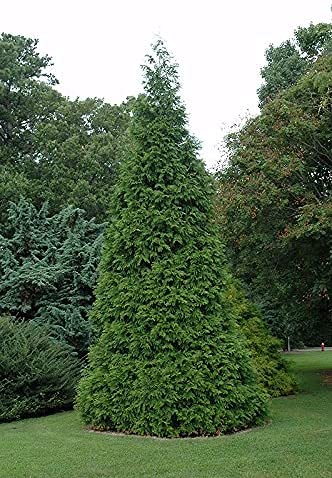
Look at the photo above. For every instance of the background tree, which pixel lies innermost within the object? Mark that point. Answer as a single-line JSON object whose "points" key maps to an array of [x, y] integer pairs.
{"points": [[170, 360], [48, 269], [26, 96], [53, 149], [288, 62], [77, 153], [271, 367], [275, 206], [26, 100]]}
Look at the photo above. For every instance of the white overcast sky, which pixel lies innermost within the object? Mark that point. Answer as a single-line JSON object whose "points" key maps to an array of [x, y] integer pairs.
{"points": [[98, 46]]}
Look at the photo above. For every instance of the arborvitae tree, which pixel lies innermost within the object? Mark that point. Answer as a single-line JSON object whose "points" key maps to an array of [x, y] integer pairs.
{"points": [[272, 368], [169, 360]]}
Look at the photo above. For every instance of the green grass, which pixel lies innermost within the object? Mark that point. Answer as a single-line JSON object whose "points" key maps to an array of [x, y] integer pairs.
{"points": [[298, 443]]}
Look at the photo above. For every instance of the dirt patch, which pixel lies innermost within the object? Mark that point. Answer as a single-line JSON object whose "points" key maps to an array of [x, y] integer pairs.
{"points": [[327, 377]]}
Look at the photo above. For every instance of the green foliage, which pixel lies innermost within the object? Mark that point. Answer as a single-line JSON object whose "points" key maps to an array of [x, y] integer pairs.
{"points": [[53, 149], [169, 360], [284, 67], [26, 96], [275, 207], [272, 369], [314, 40], [77, 153], [37, 373], [48, 268], [288, 62]]}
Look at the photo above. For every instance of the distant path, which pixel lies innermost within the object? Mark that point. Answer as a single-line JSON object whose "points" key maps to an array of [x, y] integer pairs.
{"points": [[310, 349]]}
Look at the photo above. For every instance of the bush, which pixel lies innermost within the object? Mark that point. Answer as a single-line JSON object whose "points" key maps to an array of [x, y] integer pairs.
{"points": [[37, 373], [272, 370]]}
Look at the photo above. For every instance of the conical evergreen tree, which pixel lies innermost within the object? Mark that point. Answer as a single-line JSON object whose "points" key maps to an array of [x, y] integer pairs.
{"points": [[169, 360]]}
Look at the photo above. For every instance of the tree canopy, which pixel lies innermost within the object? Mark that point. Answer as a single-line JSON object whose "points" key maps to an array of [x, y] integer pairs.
{"points": [[52, 148], [275, 201], [288, 62]]}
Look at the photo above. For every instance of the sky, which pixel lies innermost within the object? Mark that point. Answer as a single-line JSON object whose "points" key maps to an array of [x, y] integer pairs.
{"points": [[98, 46]]}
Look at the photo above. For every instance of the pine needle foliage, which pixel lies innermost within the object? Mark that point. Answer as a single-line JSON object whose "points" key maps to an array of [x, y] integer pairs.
{"points": [[169, 360]]}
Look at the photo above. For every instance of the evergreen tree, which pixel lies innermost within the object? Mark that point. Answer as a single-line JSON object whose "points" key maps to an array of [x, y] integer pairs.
{"points": [[272, 369], [48, 268], [169, 360]]}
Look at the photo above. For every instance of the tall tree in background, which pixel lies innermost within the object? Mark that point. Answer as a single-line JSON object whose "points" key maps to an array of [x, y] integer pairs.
{"points": [[77, 153], [275, 203], [53, 149], [289, 61], [169, 360], [26, 96], [26, 100]]}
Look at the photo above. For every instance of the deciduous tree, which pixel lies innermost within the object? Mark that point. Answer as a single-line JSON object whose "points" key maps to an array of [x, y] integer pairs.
{"points": [[275, 206]]}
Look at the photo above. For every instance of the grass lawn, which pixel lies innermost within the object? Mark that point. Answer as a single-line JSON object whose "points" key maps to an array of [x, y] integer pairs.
{"points": [[298, 443]]}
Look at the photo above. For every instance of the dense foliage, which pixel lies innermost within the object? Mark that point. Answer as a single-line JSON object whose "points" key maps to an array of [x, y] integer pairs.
{"points": [[289, 61], [48, 269], [271, 367], [37, 373], [76, 155], [275, 206], [170, 360], [53, 149]]}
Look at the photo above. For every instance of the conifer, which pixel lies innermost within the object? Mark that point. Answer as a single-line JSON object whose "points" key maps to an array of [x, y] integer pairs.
{"points": [[170, 360]]}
